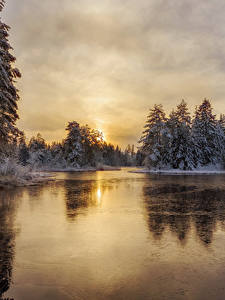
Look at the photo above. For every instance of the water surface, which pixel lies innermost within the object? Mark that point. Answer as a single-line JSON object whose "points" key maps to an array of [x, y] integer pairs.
{"points": [[114, 235]]}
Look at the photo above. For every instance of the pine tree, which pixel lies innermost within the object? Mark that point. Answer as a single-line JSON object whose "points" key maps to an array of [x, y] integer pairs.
{"points": [[73, 147], [140, 158], [39, 154], [57, 159], [171, 140], [23, 152], [204, 132], [220, 140], [182, 148], [152, 138], [8, 92], [222, 122]]}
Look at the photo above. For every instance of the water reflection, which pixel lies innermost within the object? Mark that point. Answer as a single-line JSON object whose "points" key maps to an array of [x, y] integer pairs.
{"points": [[81, 194], [180, 207], [7, 237], [85, 236]]}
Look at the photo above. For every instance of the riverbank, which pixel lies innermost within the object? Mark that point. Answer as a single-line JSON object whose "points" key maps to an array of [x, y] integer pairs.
{"points": [[33, 178], [180, 172], [14, 175], [87, 169]]}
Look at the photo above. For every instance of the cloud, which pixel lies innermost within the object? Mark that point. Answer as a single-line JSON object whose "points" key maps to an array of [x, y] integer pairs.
{"points": [[111, 60]]}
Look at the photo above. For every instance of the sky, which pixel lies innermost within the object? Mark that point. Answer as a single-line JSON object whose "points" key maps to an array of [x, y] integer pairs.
{"points": [[106, 62]]}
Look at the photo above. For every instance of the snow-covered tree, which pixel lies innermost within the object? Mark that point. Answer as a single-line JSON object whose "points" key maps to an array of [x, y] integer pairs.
{"points": [[182, 145], [204, 134], [222, 122], [57, 156], [170, 140], [220, 140], [153, 137], [39, 154], [8, 92], [73, 146], [178, 142], [23, 152]]}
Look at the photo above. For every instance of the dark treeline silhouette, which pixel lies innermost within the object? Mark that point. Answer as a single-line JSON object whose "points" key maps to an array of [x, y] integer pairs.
{"points": [[178, 207], [82, 147], [182, 142]]}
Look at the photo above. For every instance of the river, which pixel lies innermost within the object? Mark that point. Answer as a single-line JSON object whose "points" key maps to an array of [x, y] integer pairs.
{"points": [[114, 235]]}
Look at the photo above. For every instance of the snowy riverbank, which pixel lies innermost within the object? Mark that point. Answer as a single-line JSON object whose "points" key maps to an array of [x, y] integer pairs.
{"points": [[13, 174], [180, 172], [88, 169], [33, 178]]}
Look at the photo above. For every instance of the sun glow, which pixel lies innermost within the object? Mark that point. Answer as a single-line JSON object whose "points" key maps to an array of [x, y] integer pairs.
{"points": [[99, 195], [103, 136]]}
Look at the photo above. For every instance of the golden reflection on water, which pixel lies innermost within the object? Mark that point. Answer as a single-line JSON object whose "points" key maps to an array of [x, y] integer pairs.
{"points": [[114, 235], [99, 195]]}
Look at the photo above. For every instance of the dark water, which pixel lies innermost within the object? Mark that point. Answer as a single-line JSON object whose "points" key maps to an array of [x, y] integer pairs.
{"points": [[114, 235]]}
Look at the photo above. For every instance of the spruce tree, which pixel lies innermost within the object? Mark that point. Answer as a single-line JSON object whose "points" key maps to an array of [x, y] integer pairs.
{"points": [[204, 131], [220, 140], [171, 140], [8, 92], [183, 154], [73, 147], [153, 137]]}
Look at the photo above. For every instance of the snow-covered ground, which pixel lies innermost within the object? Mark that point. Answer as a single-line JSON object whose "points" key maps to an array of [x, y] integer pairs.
{"points": [[33, 178], [87, 169], [12, 174], [180, 172]]}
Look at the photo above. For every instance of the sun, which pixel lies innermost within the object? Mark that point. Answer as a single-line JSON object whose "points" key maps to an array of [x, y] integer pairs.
{"points": [[102, 136]]}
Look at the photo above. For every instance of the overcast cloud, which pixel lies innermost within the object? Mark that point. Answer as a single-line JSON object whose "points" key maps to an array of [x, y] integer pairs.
{"points": [[106, 63]]}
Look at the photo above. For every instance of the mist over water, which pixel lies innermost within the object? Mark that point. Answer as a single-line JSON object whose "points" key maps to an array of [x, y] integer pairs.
{"points": [[114, 235]]}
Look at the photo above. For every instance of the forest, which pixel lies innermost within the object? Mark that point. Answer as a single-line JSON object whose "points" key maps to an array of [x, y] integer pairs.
{"points": [[178, 141], [83, 147], [182, 142]]}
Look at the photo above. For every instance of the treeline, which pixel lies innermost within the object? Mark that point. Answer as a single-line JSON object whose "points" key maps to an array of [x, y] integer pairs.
{"points": [[182, 142], [82, 147]]}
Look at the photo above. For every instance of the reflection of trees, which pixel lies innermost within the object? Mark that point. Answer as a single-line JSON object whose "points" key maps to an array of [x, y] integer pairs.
{"points": [[178, 206], [7, 237], [79, 194], [83, 191]]}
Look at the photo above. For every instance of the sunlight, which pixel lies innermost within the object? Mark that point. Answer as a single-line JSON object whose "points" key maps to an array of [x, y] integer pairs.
{"points": [[99, 195], [103, 135]]}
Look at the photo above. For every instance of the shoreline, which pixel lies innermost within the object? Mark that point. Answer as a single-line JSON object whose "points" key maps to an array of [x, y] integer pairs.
{"points": [[104, 168], [43, 176], [34, 178], [179, 172]]}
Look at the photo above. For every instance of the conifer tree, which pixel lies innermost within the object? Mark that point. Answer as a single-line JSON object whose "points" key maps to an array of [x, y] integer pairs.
{"points": [[152, 138], [171, 140], [23, 152], [220, 140], [39, 154], [8, 92], [73, 147], [204, 131], [183, 154]]}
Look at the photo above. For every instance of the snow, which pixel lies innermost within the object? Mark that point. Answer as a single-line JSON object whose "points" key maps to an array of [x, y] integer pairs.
{"points": [[179, 142], [87, 169], [200, 171], [13, 174]]}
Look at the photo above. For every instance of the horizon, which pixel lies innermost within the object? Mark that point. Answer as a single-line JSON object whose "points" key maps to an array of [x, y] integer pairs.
{"points": [[104, 63]]}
